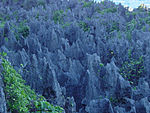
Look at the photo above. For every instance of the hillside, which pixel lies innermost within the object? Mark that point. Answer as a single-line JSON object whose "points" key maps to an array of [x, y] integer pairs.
{"points": [[83, 56]]}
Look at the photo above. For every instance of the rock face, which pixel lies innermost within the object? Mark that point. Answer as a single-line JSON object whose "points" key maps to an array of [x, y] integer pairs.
{"points": [[3, 108], [84, 56]]}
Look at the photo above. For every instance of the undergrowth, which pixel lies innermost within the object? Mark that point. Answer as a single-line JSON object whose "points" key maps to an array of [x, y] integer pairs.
{"points": [[20, 97], [132, 69]]}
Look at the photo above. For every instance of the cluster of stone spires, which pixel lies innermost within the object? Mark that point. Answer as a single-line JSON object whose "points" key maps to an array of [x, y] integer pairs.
{"points": [[74, 51]]}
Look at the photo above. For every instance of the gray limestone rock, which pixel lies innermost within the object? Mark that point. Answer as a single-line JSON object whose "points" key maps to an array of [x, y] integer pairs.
{"points": [[3, 108], [99, 106], [74, 52]]}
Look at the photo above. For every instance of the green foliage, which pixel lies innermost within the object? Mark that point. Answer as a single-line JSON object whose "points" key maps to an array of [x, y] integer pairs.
{"points": [[4, 17], [20, 98], [100, 69], [87, 4], [67, 24], [42, 105], [134, 13], [16, 92], [119, 35], [2, 24], [102, 2], [112, 10], [113, 100], [88, 18], [41, 2], [37, 15], [21, 29], [147, 20], [101, 64], [132, 69], [108, 10], [114, 26], [131, 25], [6, 39], [128, 35], [144, 28], [58, 16], [84, 26]]}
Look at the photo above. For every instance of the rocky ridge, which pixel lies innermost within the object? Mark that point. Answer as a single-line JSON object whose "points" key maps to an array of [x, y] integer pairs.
{"points": [[84, 56]]}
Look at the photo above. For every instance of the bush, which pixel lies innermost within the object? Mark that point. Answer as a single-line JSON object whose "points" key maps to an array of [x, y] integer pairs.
{"points": [[84, 26], [87, 4], [58, 16], [20, 98], [20, 29], [132, 69]]}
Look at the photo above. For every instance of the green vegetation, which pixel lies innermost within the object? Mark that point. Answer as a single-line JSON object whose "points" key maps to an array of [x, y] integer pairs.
{"points": [[37, 15], [101, 64], [112, 10], [23, 30], [132, 69], [67, 24], [147, 20], [100, 69], [114, 26], [58, 16], [130, 27], [101, 12], [20, 30], [3, 20], [87, 4], [144, 28], [20, 98], [84, 26], [119, 35], [102, 2], [128, 35], [108, 10], [2, 24], [113, 100], [41, 2]]}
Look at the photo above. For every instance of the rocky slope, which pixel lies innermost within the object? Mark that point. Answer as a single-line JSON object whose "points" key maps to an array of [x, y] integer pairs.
{"points": [[83, 56]]}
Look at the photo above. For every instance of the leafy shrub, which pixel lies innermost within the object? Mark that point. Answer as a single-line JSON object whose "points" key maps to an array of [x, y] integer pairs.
{"points": [[2, 24], [108, 10], [112, 10], [132, 69], [112, 27], [119, 35], [144, 28], [131, 25], [20, 98], [84, 26], [67, 24], [147, 20], [24, 31], [41, 2], [21, 29], [58, 16], [87, 4]]}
